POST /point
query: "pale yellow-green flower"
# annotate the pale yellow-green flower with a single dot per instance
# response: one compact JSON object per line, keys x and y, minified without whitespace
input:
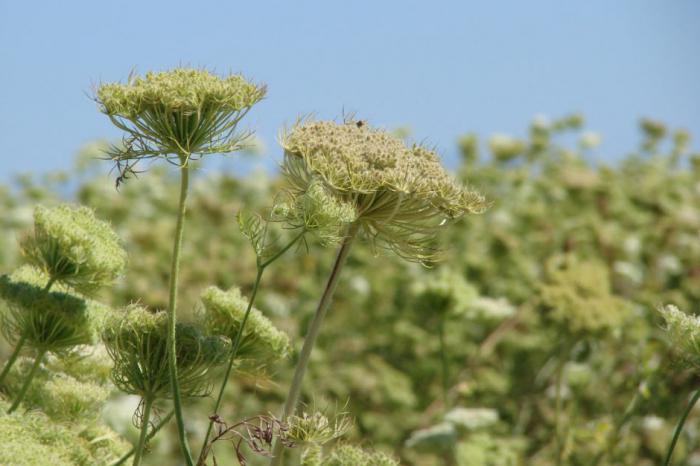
{"x":75,"y":248}
{"x":47,"y":320}
{"x":401,"y":195}
{"x":261,"y":342}
{"x":182,"y":112}
{"x":683,"y":332}
{"x":136,"y":342}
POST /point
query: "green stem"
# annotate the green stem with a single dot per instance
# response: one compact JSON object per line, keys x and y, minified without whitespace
{"x":172,"y":312}
{"x":13,"y":357}
{"x":148,"y":403}
{"x":20,"y":344}
{"x":27,"y":382}
{"x":679,"y":427}
{"x":444,"y":363}
{"x":239,"y":335}
{"x":232,"y":359}
{"x":323,"y":305}
{"x":151,"y":434}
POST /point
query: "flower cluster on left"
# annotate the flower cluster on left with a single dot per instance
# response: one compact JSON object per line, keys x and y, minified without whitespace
{"x":50,"y":315}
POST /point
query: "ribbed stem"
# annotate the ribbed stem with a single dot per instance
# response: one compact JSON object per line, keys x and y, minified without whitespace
{"x":151,"y":434}
{"x":27,"y":382}
{"x":679,"y":427}
{"x":323,"y":305}
{"x":172,"y":313}
{"x":147,"y":405}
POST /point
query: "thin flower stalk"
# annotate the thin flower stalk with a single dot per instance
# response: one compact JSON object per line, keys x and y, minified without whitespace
{"x":292,"y":401}
{"x":20,"y":344}
{"x":143,"y":436}
{"x":27,"y":382}
{"x":172,"y":311}
{"x":150,"y":435}
{"x":261,"y":265}
{"x":679,"y":427}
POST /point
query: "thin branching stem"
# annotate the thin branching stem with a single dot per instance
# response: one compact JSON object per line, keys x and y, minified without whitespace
{"x":172,"y":311}
{"x":151,"y":434}
{"x":679,"y":427}
{"x":261,"y":266}
{"x":311,"y":336}
{"x":143,"y":437}
{"x":13,"y":357}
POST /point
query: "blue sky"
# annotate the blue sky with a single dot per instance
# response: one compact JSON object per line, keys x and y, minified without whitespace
{"x":441,"y":67}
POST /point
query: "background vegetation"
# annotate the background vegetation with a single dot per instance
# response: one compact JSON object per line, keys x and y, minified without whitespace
{"x":536,"y":338}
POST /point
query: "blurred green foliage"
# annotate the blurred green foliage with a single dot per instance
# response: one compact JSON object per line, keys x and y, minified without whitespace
{"x":548,"y":299}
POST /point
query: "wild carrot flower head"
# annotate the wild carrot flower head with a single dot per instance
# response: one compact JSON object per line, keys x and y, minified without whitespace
{"x":57,"y":394}
{"x":684,"y":333}
{"x":261,"y":344}
{"x":73,"y":247}
{"x":136,"y":342}
{"x":49,"y":320}
{"x":318,"y":211}
{"x":316,"y":428}
{"x":183,"y":112}
{"x":401,"y":194}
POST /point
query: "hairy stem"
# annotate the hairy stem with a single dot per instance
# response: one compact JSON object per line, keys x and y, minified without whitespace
{"x":143,"y":437}
{"x":262,"y":265}
{"x":27,"y":382}
{"x":679,"y":427}
{"x":172,"y":312}
{"x":323,"y":305}
{"x":150,"y":435}
{"x":20,"y":344}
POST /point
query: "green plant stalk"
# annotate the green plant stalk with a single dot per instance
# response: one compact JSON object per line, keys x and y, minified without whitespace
{"x":151,"y":434}
{"x":20,"y":344}
{"x":232,"y":359}
{"x":261,"y":266}
{"x":27,"y":382}
{"x":143,"y":437}
{"x":323,"y":305}
{"x":679,"y":427}
{"x":13,"y":357}
{"x":172,"y":311}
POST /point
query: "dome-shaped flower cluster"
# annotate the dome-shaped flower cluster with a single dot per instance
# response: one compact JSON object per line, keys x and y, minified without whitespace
{"x":136,"y":342}
{"x":47,"y":320}
{"x":75,"y":248}
{"x":179,"y":112}
{"x":400,"y":194}
{"x":261,"y":342}
{"x":683,"y":331}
